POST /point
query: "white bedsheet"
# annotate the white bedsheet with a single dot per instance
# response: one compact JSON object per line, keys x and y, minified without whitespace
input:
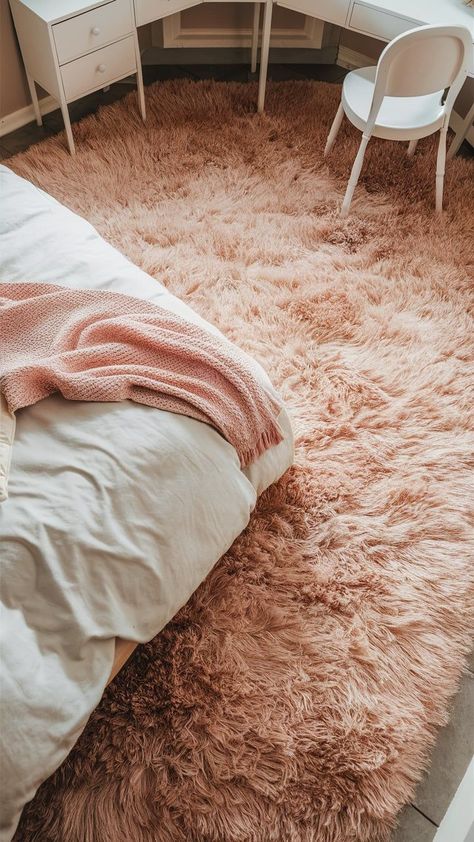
{"x":116,"y":512}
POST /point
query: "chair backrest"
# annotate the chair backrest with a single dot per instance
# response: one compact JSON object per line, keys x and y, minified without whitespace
{"x":423,"y":61}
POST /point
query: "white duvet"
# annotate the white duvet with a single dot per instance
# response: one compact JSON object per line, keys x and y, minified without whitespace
{"x":116,"y":512}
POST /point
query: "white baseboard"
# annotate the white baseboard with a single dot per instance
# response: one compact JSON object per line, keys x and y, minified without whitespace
{"x":14,"y":121}
{"x":350,"y":59}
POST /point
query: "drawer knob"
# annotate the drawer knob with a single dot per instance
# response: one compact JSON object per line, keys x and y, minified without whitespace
{"x":101,"y":68}
{"x":96,"y":30}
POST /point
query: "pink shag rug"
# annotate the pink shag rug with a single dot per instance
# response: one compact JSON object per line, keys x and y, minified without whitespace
{"x":296,"y":696}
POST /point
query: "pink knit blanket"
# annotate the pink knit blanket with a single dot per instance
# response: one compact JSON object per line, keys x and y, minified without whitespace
{"x":94,"y":345}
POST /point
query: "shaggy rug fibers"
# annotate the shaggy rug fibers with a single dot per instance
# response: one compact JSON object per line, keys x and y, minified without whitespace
{"x":296,"y":696}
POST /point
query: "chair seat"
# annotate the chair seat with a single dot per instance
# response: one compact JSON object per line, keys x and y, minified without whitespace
{"x":407,"y":117}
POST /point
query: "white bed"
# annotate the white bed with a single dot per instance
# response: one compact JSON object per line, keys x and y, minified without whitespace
{"x":116,"y":512}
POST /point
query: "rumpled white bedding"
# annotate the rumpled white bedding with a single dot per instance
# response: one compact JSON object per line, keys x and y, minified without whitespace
{"x":116,"y":512}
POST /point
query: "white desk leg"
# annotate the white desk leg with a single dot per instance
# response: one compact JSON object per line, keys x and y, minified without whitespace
{"x":140,"y":89}
{"x":34,"y":99}
{"x":267,"y":25}
{"x":255,"y":34}
{"x":67,"y":125}
{"x":462,"y":132}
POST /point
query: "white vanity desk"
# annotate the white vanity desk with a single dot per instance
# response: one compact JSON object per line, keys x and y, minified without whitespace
{"x":74,"y":47}
{"x":382,"y":19}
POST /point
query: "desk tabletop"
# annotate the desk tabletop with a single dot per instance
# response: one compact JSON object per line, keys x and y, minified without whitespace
{"x":454,"y":12}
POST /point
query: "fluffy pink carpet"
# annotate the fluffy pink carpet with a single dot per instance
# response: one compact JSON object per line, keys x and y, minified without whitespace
{"x":296,"y":696}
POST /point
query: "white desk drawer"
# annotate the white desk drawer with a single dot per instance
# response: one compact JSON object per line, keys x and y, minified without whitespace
{"x":99,"y":68}
{"x":379,"y":24}
{"x":332,"y":11}
{"x":83,"y":33}
{"x":147,"y":11}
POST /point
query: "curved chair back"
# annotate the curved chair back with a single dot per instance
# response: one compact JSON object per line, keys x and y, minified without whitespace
{"x":422,"y":61}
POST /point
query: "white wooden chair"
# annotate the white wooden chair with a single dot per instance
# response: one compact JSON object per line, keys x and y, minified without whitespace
{"x":407,"y":96}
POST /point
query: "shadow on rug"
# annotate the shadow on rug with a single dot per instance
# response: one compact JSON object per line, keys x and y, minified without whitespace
{"x":296,"y":696}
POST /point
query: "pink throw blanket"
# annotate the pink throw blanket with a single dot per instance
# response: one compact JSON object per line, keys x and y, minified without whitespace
{"x":94,"y":345}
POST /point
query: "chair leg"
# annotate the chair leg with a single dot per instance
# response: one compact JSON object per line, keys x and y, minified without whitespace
{"x":333,"y":132}
{"x":440,"y":168}
{"x":354,"y":177}
{"x":255,"y":34}
{"x":411,"y":148}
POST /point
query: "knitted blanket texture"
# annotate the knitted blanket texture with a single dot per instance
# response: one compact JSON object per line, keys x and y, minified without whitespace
{"x":96,"y":345}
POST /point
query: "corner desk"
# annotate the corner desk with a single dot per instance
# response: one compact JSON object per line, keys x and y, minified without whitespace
{"x":74,"y":47}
